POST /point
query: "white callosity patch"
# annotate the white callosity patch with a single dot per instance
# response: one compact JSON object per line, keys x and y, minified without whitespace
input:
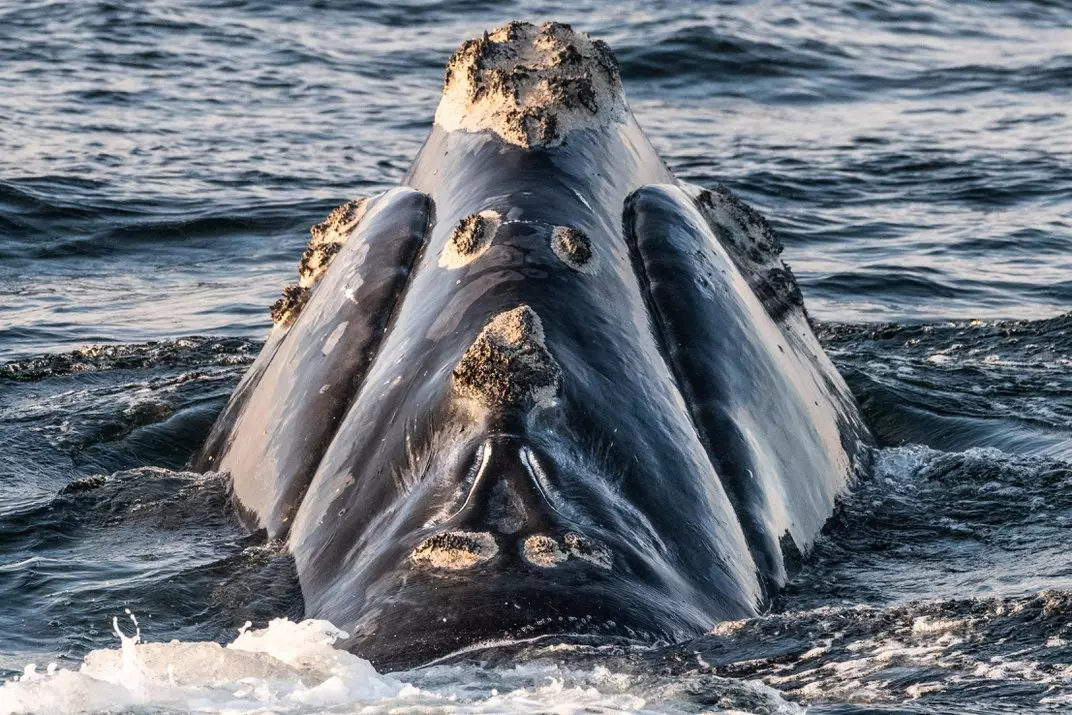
{"x":587,"y":550}
{"x":752,"y":244}
{"x":508,"y":365}
{"x":455,"y":550}
{"x":531,"y":85}
{"x":470,"y":239}
{"x":544,"y":551}
{"x":328,"y":237}
{"x":573,"y":247}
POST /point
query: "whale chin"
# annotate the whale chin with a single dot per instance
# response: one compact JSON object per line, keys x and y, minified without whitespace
{"x":487,"y":606}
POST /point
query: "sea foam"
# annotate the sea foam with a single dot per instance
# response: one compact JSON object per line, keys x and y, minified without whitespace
{"x":293,"y":668}
{"x":286,"y":667}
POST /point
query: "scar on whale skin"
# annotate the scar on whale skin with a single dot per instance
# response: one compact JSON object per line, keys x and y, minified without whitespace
{"x":470,"y":238}
{"x":455,"y":550}
{"x":328,"y":237}
{"x":508,"y":364}
{"x":531,"y":85}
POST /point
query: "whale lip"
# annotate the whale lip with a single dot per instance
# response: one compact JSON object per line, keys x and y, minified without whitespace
{"x":531,"y":85}
{"x":511,"y":558}
{"x":512,"y":650}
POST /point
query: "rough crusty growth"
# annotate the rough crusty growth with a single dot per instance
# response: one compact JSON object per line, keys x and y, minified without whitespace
{"x":455,"y":550}
{"x":543,"y":551}
{"x":754,"y":247}
{"x":573,"y":248}
{"x":508,"y":364}
{"x":85,"y":484}
{"x":758,"y":241}
{"x":328,"y":237}
{"x":470,"y":238}
{"x":546,"y":552}
{"x":581,"y":548}
{"x":286,"y":309}
{"x":531,"y":85}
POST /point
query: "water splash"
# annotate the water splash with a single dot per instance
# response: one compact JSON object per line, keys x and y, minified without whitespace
{"x":294,"y":668}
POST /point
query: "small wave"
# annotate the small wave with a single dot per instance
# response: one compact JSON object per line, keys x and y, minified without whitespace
{"x":75,"y":222}
{"x":1012,"y":653}
{"x":288,"y":665}
{"x":963,"y":384}
{"x":164,"y":542}
{"x":189,"y":351}
{"x":704,"y":50}
{"x":931,"y":524}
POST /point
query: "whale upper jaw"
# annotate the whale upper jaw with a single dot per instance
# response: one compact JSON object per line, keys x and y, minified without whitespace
{"x":489,"y":546}
{"x":532,"y":86}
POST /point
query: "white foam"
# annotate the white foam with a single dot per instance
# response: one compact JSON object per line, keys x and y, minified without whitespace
{"x":285,"y":668}
{"x":293,"y":669}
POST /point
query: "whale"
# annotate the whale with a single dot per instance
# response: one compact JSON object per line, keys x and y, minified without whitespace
{"x":541,"y":389}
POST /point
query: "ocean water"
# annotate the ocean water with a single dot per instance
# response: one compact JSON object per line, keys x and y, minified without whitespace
{"x":161,"y":162}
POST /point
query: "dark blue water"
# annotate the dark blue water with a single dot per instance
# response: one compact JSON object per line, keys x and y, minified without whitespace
{"x":162,"y":161}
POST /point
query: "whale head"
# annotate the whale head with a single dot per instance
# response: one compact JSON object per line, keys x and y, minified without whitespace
{"x":543,"y":389}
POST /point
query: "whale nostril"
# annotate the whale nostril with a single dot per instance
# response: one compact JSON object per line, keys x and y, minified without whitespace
{"x":455,"y":550}
{"x":505,"y":495}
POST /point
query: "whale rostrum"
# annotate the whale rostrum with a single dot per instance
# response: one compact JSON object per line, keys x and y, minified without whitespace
{"x":531,"y":85}
{"x":542,"y":388}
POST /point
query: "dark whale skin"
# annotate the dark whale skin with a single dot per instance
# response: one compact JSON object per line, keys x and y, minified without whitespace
{"x":631,"y":456}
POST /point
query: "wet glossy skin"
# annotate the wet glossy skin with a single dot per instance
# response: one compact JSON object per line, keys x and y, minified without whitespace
{"x":598,"y":468}
{"x":694,"y":425}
